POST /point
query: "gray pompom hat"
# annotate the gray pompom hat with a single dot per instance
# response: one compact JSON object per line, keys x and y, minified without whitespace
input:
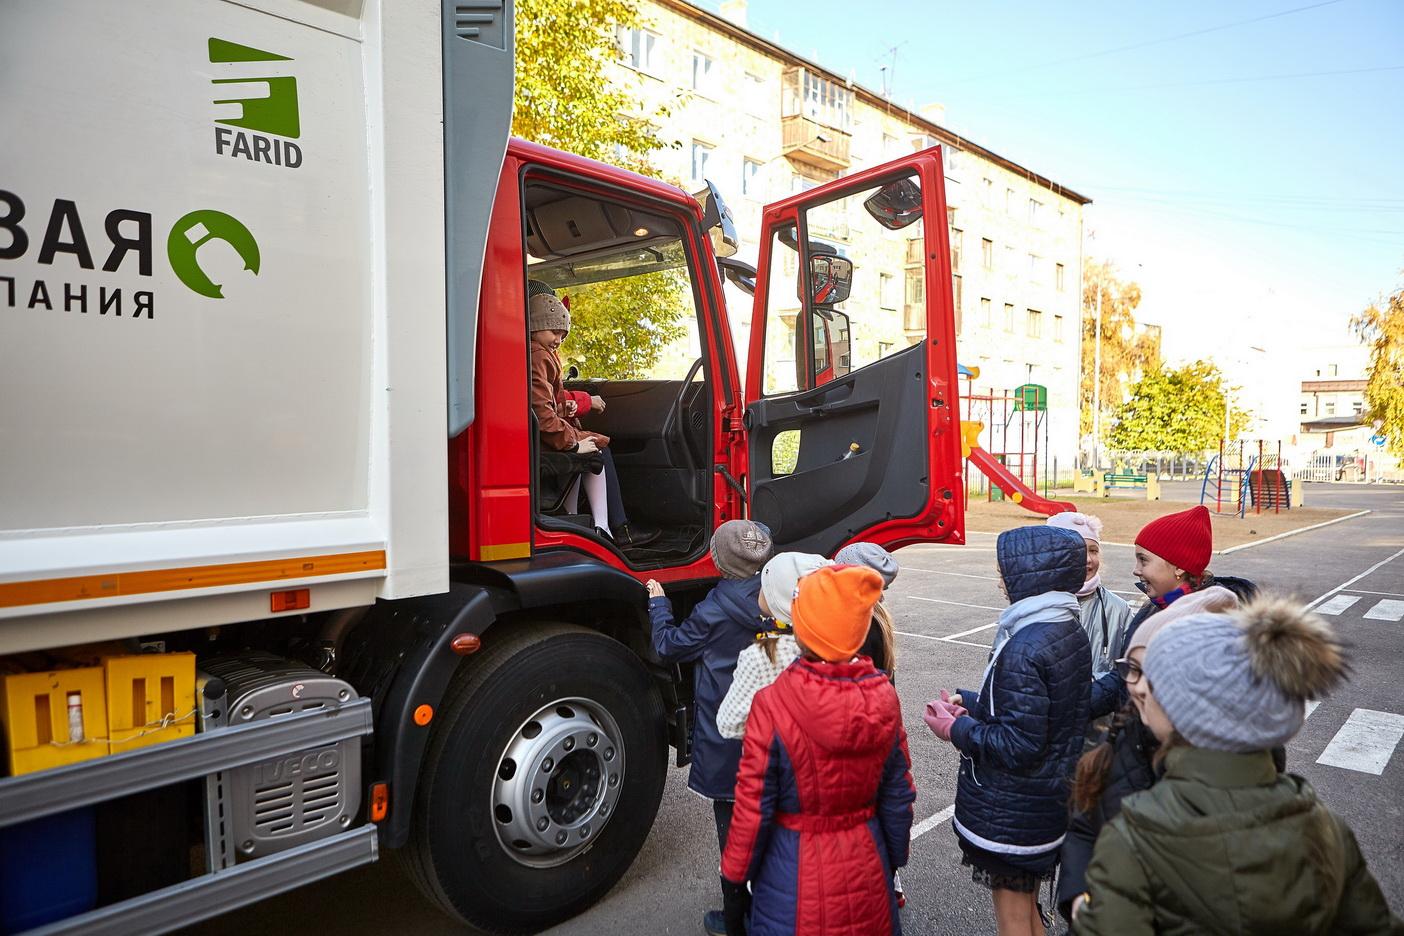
{"x":1239,"y":682}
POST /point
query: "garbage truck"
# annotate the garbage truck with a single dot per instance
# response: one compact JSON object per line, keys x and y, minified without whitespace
{"x":288,"y":577}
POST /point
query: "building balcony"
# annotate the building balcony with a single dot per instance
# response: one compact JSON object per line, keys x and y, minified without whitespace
{"x":807,"y":141}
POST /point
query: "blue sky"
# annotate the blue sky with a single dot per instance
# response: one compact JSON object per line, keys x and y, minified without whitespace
{"x":1272,"y":205}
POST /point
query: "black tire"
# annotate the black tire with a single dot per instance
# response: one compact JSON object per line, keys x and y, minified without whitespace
{"x":454,"y":853}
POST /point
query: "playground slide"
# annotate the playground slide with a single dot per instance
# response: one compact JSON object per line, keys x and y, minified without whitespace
{"x":1013,"y":488}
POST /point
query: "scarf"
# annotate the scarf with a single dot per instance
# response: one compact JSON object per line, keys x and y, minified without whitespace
{"x":1089,"y":586}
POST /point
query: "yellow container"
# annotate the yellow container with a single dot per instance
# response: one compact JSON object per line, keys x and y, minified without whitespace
{"x":35,"y":715}
{"x":150,"y":699}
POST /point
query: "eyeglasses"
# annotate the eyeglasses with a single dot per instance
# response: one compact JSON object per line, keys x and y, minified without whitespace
{"x":1134,"y":673}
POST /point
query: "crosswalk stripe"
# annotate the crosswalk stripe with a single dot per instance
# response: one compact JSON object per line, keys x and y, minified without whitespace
{"x":1386,"y":609}
{"x":1311,"y":707}
{"x":1365,"y":742}
{"x":1337,"y":604}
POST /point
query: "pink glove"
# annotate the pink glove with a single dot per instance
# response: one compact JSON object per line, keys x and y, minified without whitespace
{"x":940,"y":716}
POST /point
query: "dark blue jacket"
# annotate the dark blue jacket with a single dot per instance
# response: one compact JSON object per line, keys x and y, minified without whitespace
{"x":1020,"y":743}
{"x":713,"y":635}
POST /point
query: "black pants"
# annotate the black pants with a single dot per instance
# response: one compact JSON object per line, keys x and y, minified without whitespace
{"x":721,"y":811}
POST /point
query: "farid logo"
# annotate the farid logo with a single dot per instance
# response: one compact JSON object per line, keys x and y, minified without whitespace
{"x":266,"y":105}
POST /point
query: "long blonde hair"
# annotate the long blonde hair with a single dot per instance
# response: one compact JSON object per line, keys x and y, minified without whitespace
{"x":883,"y":618}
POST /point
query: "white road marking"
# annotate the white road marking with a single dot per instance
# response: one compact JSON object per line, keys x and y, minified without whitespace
{"x":991,"y":578}
{"x":958,"y":604}
{"x":1305,"y":529}
{"x":963,"y":643}
{"x":926,"y":825}
{"x":1345,"y":585}
{"x":1311,"y":707}
{"x":1386,"y":609}
{"x":1364,"y":591}
{"x":1337,"y":604}
{"x":1365,"y":742}
{"x":973,"y":630}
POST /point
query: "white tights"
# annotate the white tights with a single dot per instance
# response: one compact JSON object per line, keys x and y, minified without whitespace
{"x":595,"y":493}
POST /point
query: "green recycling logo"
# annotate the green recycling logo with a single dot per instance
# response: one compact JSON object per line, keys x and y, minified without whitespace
{"x":195,"y":230}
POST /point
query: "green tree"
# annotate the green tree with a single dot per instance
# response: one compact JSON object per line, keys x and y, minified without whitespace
{"x":570,"y":96}
{"x":1177,"y":410}
{"x":1383,"y":330}
{"x":1127,"y":352}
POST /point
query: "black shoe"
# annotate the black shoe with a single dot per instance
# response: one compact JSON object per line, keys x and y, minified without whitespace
{"x":714,"y":922}
{"x":628,"y":535}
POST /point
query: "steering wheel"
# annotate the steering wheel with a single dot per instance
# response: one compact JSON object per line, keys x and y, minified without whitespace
{"x":672,"y":419}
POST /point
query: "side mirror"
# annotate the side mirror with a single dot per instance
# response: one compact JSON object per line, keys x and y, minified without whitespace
{"x":896,"y":204}
{"x":717,"y":221}
{"x":572,"y":373}
{"x":830,"y":280}
{"x":739,"y":273}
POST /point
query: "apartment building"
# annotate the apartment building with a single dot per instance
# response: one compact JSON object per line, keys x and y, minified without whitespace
{"x":762,"y":122}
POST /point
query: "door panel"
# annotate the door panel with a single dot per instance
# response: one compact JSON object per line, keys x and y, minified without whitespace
{"x":878,"y":454}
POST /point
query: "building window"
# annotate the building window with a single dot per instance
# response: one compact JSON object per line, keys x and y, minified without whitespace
{"x":986,"y":313}
{"x":1008,"y":259}
{"x":1009,"y":317}
{"x":818,"y":99}
{"x":1058,"y":275}
{"x":1304,"y":409}
{"x":889,"y":147}
{"x":1334,"y":370}
{"x":914,"y":309}
{"x":1034,"y":325}
{"x":1009,"y":201}
{"x":637,"y":47}
{"x":754,"y":94}
{"x":1034,"y":206}
{"x":887,"y":291}
{"x":1358,"y":407}
{"x":702,"y":70}
{"x":987,"y":253}
{"x":883,"y":348}
{"x":956,"y":298}
{"x":750,"y":178}
{"x":1331,"y":408}
{"x":957,"y":247}
{"x":701,"y":156}
{"x":987,"y":192}
{"x":1057,"y":328}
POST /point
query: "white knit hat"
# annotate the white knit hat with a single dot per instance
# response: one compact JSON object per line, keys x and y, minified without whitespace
{"x":1088,"y":526}
{"x":780,"y":581}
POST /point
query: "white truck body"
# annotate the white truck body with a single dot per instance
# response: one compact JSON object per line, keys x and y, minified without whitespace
{"x":169,"y":455}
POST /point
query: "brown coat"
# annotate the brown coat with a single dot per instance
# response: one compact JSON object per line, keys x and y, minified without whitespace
{"x":558,"y":432}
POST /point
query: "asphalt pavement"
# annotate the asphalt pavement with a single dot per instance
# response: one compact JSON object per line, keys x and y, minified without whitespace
{"x":945,"y":602}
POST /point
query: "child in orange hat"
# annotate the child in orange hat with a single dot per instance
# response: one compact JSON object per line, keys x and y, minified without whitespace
{"x":819,"y":845}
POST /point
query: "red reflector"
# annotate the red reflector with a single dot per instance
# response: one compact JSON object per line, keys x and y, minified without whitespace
{"x":423,"y":715}
{"x":295,"y":600}
{"x":464,"y":644}
{"x":379,"y":801}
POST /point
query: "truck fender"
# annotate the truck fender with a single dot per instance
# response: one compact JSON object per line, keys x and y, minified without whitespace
{"x":402,"y":655}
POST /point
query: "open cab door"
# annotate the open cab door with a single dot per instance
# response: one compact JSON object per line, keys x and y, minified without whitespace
{"x":851,"y":393}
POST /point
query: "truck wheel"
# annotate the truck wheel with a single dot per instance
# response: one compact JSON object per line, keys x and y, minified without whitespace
{"x":542,"y":778}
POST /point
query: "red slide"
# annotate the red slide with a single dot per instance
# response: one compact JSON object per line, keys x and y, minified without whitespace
{"x":1013,"y":488}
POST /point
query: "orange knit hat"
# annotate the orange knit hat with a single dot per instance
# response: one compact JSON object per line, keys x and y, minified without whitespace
{"x":834,"y":609}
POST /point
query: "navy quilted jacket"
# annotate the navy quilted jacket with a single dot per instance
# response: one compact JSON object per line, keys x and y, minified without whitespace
{"x":1020,"y":743}
{"x":720,"y":626}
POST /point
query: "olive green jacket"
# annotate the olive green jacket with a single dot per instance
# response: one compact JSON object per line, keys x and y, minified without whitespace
{"x":1225,"y":844}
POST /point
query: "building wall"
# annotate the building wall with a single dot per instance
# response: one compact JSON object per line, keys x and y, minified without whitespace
{"x":731,"y":110}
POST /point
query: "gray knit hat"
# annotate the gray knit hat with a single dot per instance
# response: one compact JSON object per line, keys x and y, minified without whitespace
{"x":740,"y":548}
{"x":547,"y":313}
{"x":871,"y":555}
{"x":1239,"y":682}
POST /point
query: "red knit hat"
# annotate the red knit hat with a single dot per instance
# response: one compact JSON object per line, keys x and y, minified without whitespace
{"x":834,"y":609}
{"x":1184,"y":539}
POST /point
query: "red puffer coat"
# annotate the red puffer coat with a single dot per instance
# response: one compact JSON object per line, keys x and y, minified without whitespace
{"x":824,"y":800}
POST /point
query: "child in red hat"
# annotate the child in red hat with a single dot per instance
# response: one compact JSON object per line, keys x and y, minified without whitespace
{"x":819,"y":844}
{"x":1172,"y":560}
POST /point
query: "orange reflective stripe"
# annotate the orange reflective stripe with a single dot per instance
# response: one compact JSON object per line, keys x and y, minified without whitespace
{"x":112,"y":585}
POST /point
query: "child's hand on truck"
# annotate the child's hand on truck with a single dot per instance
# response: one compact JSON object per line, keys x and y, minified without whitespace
{"x":654,"y":589}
